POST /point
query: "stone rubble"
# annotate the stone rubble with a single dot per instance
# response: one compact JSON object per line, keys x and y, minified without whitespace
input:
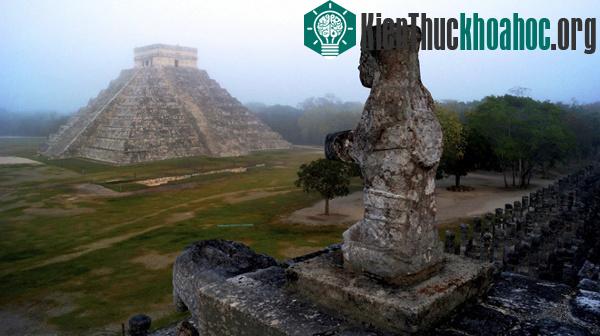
{"x":549,"y":235}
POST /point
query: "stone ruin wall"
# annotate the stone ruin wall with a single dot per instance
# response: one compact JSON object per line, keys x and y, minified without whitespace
{"x":159,"y":55}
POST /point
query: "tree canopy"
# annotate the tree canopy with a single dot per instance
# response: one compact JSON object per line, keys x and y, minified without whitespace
{"x":513,"y":134}
{"x":327,"y":177}
{"x":454,"y":139}
{"x":524,"y":134}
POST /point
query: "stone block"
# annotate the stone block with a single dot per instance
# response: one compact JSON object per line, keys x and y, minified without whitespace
{"x":392,"y":308}
{"x":257,"y":303}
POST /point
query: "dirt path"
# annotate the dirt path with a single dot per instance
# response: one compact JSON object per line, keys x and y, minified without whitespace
{"x":15,"y":160}
{"x":344,"y":210}
{"x":489,"y":194}
{"x":155,"y":261}
{"x":90,"y":189}
{"x":230,"y":197}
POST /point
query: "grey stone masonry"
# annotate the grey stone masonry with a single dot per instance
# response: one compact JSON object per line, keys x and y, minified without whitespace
{"x":232,"y":291}
{"x":395,"y":309}
{"x":157,"y":113}
{"x":546,"y":235}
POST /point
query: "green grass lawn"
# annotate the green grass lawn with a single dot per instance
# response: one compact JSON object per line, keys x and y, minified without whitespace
{"x":77,"y":259}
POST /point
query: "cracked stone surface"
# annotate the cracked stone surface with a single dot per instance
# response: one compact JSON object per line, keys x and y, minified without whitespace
{"x":396,"y":309}
{"x":519,"y":305}
{"x":233,"y":295}
{"x":209,"y":261}
{"x":231,"y":290}
{"x":397,"y":144}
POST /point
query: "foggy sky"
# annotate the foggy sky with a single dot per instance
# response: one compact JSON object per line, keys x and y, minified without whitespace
{"x":56,"y":55}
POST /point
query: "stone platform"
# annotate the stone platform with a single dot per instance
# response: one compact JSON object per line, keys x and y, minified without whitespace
{"x":257,"y":303}
{"x":403,"y":310}
{"x":231,"y":290}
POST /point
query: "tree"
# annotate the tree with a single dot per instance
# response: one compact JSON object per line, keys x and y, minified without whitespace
{"x":464,"y":149}
{"x":524,"y":134}
{"x":461,"y":108}
{"x":583,"y":121}
{"x":519,"y":91}
{"x":452,"y":161}
{"x":327,"y":177}
{"x":30,"y":123}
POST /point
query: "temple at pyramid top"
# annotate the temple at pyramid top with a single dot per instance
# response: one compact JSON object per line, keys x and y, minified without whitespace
{"x":159,"y":55}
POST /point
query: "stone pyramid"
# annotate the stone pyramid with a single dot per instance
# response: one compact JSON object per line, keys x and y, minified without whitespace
{"x":163,"y":108}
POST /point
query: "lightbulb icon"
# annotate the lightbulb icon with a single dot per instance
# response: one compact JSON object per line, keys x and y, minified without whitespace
{"x":330,"y":28}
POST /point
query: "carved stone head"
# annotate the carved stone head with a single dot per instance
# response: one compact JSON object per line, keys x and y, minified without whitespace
{"x":374,"y":62}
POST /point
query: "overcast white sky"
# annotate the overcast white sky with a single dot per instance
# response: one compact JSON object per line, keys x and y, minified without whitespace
{"x":58,"y":54}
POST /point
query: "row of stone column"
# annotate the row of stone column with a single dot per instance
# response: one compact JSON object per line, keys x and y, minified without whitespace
{"x":540,"y":235}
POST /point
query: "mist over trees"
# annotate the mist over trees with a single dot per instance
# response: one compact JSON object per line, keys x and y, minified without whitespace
{"x":34,"y":123}
{"x":311,"y":120}
{"x":282,"y":119}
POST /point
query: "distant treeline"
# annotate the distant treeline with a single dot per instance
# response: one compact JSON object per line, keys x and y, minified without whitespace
{"x":34,"y":123}
{"x":517,"y":135}
{"x":311,"y":120}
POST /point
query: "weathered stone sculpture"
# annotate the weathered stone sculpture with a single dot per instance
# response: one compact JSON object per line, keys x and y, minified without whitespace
{"x":397,"y":144}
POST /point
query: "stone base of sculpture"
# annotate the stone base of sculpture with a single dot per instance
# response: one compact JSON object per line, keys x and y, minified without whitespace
{"x":399,"y":309}
{"x":367,"y":249}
